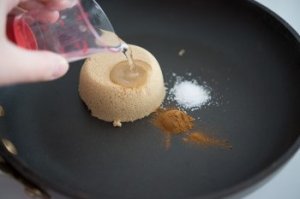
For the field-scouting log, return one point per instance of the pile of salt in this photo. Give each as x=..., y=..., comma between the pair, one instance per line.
x=189, y=94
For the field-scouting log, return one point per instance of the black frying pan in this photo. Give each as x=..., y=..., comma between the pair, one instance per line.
x=245, y=53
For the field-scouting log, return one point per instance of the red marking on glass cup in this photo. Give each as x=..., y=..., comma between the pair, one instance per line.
x=19, y=32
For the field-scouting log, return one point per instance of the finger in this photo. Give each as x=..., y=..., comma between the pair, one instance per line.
x=45, y=15
x=5, y=7
x=11, y=4
x=39, y=11
x=21, y=66
x=60, y=4
x=32, y=5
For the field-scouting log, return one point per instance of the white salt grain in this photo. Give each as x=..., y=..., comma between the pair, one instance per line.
x=189, y=94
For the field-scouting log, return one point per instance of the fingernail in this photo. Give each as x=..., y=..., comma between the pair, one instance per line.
x=72, y=3
x=62, y=4
x=60, y=69
x=65, y=3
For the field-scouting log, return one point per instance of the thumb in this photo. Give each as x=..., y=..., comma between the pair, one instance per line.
x=20, y=65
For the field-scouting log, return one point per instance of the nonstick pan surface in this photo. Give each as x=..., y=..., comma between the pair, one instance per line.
x=247, y=56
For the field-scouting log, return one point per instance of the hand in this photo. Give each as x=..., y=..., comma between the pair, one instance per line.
x=18, y=65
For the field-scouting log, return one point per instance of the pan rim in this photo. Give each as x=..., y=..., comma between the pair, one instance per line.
x=240, y=188
x=262, y=176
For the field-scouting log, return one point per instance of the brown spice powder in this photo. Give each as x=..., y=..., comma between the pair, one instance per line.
x=1, y=111
x=206, y=140
x=173, y=121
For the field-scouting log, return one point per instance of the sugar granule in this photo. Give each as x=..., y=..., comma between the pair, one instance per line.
x=189, y=94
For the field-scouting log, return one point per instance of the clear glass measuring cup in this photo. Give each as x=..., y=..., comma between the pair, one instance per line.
x=80, y=31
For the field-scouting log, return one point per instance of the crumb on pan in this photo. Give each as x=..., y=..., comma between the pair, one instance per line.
x=181, y=52
x=117, y=123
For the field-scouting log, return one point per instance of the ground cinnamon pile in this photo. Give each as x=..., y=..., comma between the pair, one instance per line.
x=206, y=140
x=1, y=111
x=173, y=122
